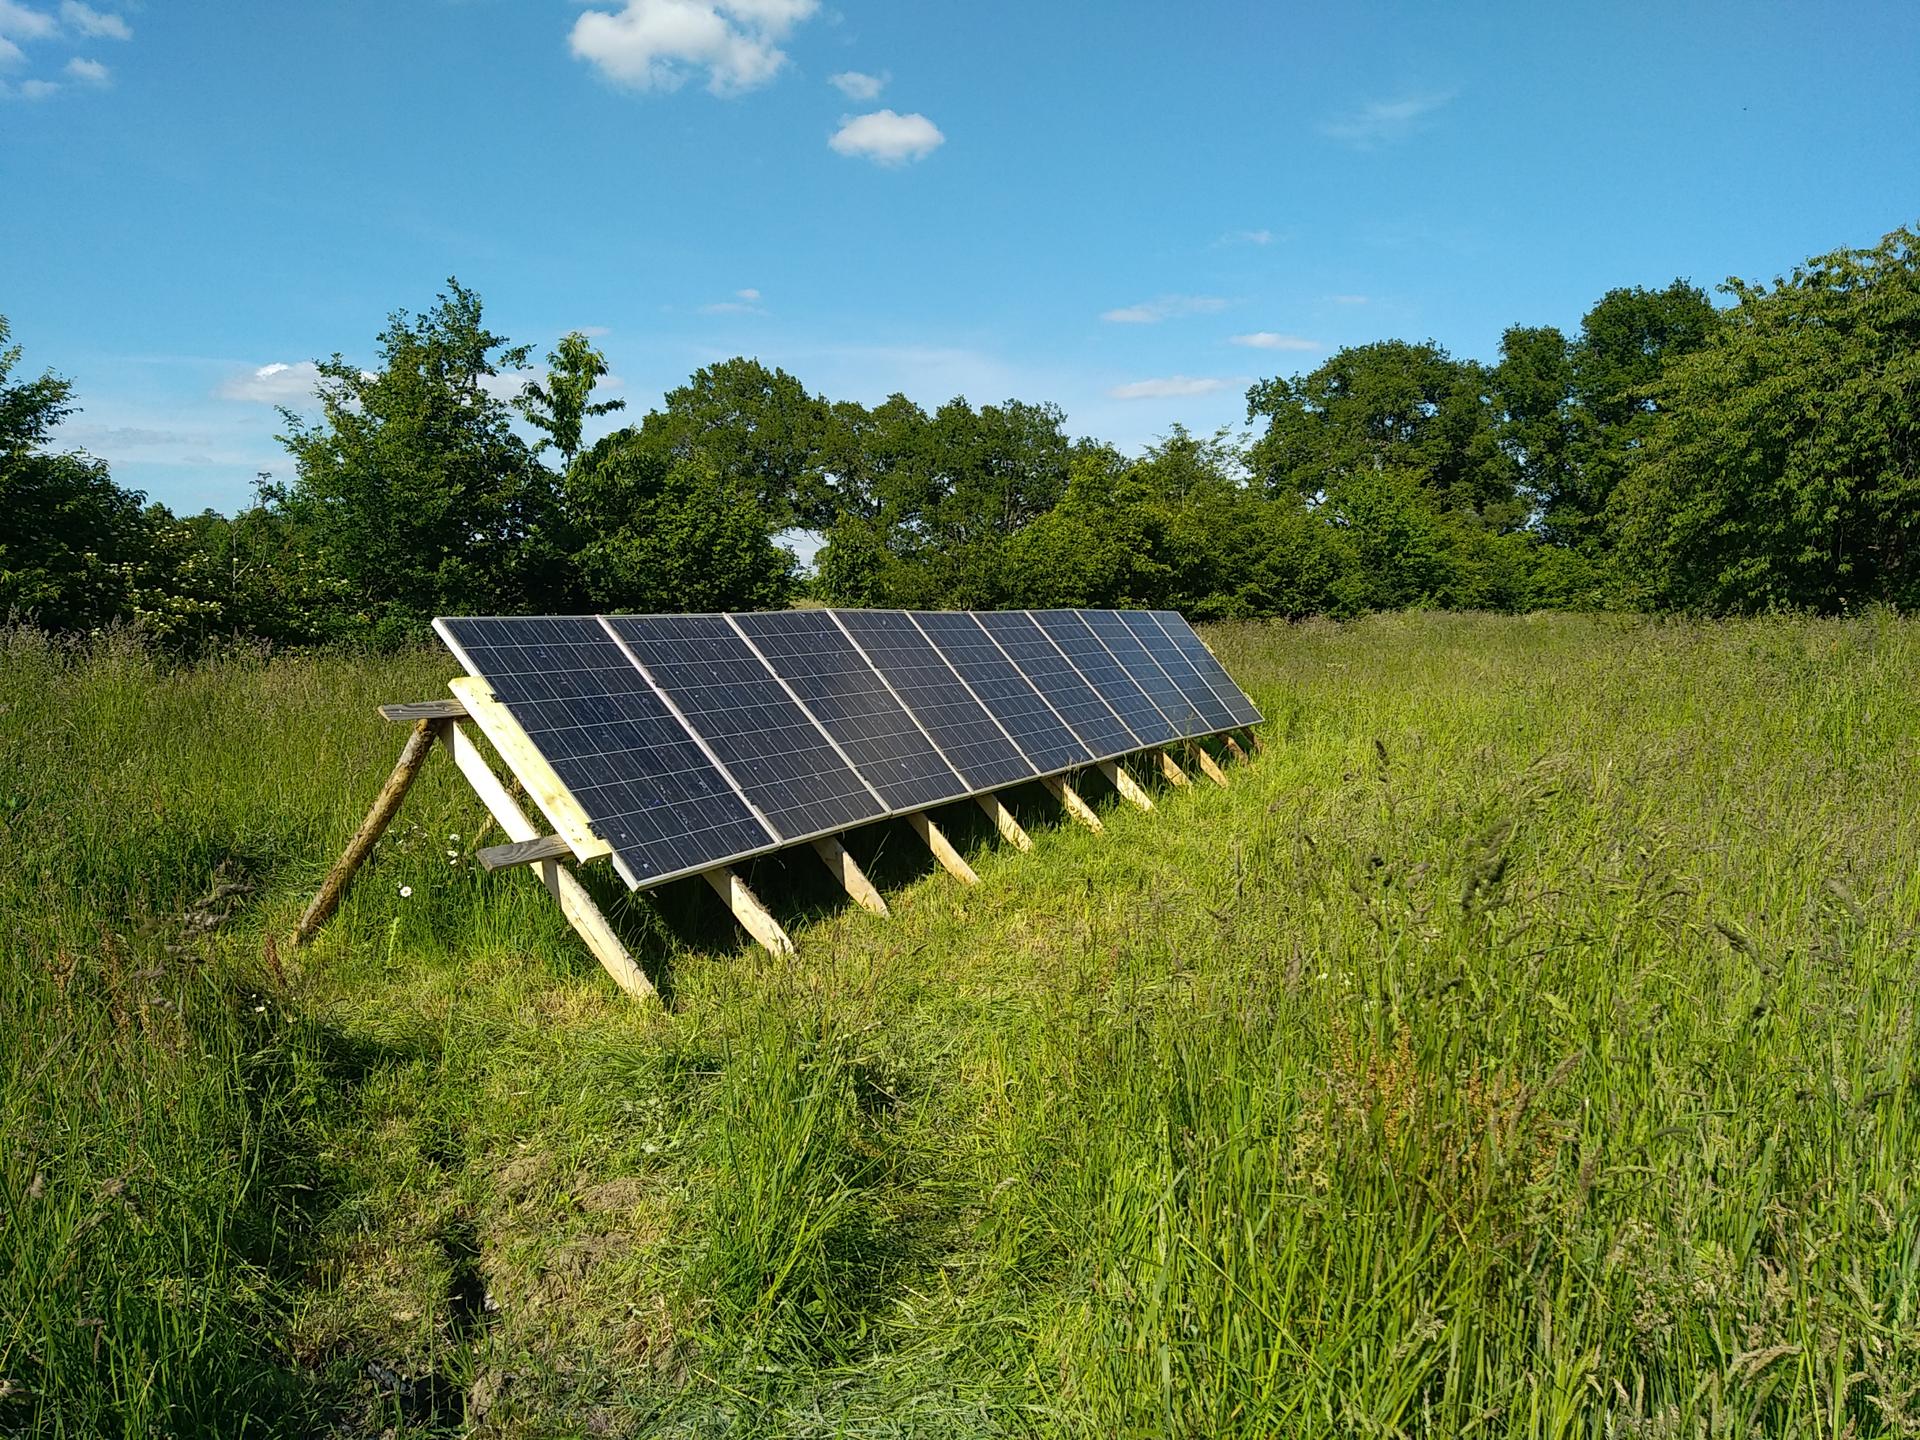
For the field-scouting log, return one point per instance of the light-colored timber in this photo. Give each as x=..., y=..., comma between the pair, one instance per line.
x=1128, y=787
x=1170, y=768
x=747, y=909
x=412, y=755
x=851, y=877
x=1071, y=801
x=951, y=860
x=565, y=887
x=1234, y=745
x=556, y=802
x=1209, y=767
x=1253, y=739
x=524, y=852
x=424, y=710
x=1003, y=821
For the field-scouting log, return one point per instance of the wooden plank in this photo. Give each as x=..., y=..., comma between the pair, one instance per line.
x=424, y=710
x=748, y=910
x=412, y=755
x=951, y=860
x=1234, y=746
x=1258, y=745
x=1070, y=800
x=1170, y=768
x=523, y=852
x=851, y=877
x=565, y=887
x=1209, y=767
x=530, y=767
x=1003, y=821
x=1128, y=787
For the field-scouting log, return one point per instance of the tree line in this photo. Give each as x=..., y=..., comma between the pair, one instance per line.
x=1670, y=455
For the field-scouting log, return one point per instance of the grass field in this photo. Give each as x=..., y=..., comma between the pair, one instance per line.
x=1524, y=1045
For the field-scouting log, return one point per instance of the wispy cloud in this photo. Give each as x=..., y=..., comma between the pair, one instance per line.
x=23, y=22
x=94, y=24
x=886, y=138
x=1348, y=299
x=1248, y=237
x=744, y=302
x=1171, y=386
x=90, y=71
x=1164, y=307
x=658, y=44
x=1381, y=122
x=1272, y=340
x=856, y=85
x=279, y=383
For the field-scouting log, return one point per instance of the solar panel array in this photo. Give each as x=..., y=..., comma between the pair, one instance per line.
x=691, y=741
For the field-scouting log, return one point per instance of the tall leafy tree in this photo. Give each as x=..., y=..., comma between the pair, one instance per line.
x=562, y=405
x=760, y=431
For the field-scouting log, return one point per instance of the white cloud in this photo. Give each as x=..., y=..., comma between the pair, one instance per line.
x=91, y=71
x=38, y=89
x=1169, y=387
x=22, y=22
x=94, y=24
x=10, y=53
x=886, y=138
x=749, y=294
x=1380, y=122
x=1270, y=340
x=1166, y=307
x=744, y=302
x=1247, y=237
x=858, y=86
x=275, y=384
x=656, y=44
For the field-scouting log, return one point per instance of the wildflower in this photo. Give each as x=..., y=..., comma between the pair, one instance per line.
x=406, y=892
x=453, y=854
x=259, y=1009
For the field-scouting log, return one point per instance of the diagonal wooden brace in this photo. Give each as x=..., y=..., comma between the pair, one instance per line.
x=1071, y=801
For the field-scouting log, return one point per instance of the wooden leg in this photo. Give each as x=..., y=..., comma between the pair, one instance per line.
x=1128, y=787
x=1208, y=766
x=851, y=877
x=1070, y=800
x=1170, y=769
x=1234, y=746
x=748, y=910
x=1003, y=821
x=385, y=804
x=951, y=860
x=565, y=887
x=1258, y=745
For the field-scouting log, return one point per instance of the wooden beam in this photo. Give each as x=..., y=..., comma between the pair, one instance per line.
x=565, y=887
x=1128, y=787
x=1208, y=766
x=951, y=860
x=524, y=852
x=412, y=755
x=1003, y=821
x=1170, y=768
x=549, y=792
x=424, y=710
x=1234, y=746
x=748, y=910
x=851, y=877
x=1069, y=798
x=1254, y=740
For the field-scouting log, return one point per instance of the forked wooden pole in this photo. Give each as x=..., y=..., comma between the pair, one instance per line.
x=1003, y=821
x=1208, y=766
x=412, y=755
x=565, y=887
x=1071, y=801
x=748, y=910
x=1128, y=787
x=951, y=860
x=1170, y=768
x=851, y=877
x=1234, y=745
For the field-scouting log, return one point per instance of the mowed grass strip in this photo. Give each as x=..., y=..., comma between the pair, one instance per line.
x=1522, y=1045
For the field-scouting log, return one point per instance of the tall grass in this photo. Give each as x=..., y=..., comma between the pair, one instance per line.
x=1523, y=1045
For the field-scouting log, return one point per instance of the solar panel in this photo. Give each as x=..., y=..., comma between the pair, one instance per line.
x=1064, y=688
x=954, y=719
x=1211, y=709
x=1125, y=647
x=645, y=787
x=1069, y=630
x=809, y=651
x=1244, y=711
x=1036, y=727
x=783, y=762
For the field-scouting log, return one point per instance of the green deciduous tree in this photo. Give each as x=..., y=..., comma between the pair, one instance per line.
x=564, y=403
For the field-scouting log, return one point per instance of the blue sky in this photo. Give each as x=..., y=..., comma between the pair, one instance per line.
x=1132, y=210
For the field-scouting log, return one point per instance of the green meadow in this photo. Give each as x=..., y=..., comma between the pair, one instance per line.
x=1524, y=1044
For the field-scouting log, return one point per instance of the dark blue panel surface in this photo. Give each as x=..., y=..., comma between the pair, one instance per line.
x=809, y=651
x=971, y=739
x=646, y=788
x=1212, y=710
x=1042, y=735
x=1069, y=630
x=783, y=762
x=1243, y=710
x=1114, y=632
x=1091, y=718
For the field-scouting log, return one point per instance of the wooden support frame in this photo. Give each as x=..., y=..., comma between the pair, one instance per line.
x=1003, y=821
x=754, y=917
x=1233, y=748
x=412, y=756
x=1209, y=767
x=523, y=852
x=1170, y=768
x=951, y=860
x=851, y=877
x=1130, y=789
x=1071, y=801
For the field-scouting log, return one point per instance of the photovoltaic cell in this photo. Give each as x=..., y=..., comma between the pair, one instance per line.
x=1090, y=718
x=1114, y=632
x=1212, y=710
x=840, y=689
x=645, y=787
x=1244, y=711
x=1042, y=735
x=967, y=735
x=780, y=759
x=1070, y=631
